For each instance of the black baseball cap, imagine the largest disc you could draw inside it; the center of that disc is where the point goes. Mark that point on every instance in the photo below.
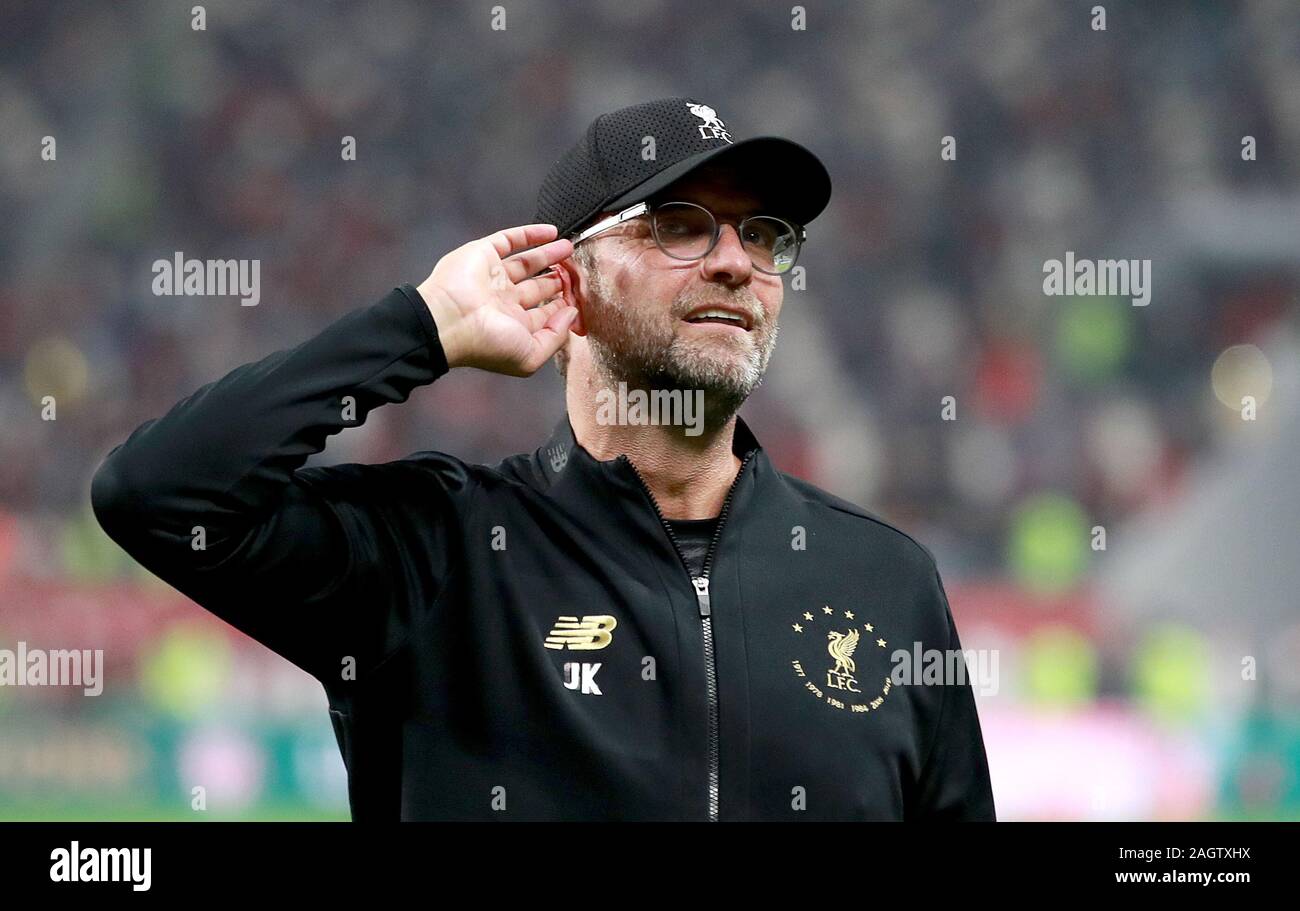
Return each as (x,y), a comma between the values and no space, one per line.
(611,167)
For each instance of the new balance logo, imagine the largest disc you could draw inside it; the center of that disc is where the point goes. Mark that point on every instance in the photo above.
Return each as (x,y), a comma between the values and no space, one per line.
(559,458)
(581,677)
(591,632)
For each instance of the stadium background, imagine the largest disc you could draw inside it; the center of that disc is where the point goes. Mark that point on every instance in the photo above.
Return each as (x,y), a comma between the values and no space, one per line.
(1121,691)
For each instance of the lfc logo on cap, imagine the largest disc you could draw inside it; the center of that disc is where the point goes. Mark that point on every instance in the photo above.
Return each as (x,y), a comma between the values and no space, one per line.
(713,127)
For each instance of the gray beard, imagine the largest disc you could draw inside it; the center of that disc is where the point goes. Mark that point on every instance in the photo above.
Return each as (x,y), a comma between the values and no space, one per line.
(630,346)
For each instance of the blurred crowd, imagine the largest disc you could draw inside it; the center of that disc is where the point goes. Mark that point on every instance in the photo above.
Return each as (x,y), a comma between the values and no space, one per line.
(923,277)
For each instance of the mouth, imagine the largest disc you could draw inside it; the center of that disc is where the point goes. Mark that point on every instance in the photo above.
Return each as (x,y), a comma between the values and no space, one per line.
(719,316)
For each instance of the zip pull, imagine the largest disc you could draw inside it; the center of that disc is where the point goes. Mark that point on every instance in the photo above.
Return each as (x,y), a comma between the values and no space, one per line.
(702,594)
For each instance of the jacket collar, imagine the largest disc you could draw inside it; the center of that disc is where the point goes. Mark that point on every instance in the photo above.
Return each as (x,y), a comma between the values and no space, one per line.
(610,493)
(569,473)
(563,456)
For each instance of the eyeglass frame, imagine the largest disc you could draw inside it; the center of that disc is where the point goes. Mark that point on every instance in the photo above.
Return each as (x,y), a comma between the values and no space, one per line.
(645,207)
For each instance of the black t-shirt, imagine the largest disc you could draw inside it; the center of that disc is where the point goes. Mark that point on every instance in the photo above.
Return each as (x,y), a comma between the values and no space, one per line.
(694,537)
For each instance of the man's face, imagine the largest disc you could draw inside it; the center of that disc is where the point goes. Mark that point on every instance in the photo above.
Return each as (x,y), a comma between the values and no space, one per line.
(641,305)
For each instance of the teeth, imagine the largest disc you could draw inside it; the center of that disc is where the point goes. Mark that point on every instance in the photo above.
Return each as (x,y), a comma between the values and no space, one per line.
(720,314)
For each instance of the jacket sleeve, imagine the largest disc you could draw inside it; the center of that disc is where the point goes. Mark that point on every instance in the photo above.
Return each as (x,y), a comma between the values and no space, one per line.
(954,783)
(212,496)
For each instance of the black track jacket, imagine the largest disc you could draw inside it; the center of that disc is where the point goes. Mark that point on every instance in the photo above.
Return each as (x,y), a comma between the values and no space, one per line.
(524,641)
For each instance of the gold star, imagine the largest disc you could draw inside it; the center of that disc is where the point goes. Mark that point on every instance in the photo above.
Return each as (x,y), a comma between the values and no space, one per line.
(827,610)
(807,616)
(868,627)
(798,628)
(880,642)
(848,615)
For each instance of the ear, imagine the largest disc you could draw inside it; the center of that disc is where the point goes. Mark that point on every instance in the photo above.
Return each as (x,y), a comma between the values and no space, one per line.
(574,291)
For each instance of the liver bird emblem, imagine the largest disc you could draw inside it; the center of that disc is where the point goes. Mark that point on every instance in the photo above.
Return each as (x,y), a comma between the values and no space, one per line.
(708,115)
(841,647)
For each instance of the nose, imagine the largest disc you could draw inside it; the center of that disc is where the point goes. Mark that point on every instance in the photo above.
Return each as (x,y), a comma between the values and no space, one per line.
(728,262)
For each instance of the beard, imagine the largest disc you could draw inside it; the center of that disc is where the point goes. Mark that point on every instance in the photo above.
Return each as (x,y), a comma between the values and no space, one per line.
(646,349)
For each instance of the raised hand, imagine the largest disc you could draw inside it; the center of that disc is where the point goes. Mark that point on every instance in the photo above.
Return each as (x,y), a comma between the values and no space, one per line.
(489,311)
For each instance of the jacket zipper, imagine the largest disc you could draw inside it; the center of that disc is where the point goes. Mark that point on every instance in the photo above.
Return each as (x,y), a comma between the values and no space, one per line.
(701,586)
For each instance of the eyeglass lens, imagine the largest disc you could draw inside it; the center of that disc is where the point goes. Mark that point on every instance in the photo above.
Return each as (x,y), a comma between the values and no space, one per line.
(686,231)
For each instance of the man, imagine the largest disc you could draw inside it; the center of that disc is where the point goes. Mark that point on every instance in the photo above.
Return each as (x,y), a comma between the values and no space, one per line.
(637,620)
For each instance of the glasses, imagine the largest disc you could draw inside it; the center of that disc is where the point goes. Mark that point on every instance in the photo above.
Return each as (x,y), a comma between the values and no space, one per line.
(683,230)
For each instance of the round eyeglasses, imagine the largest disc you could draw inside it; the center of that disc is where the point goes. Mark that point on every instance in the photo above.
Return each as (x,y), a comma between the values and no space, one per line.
(686,231)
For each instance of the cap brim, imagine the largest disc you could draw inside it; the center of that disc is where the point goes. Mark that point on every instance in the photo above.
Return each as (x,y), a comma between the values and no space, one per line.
(790,180)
